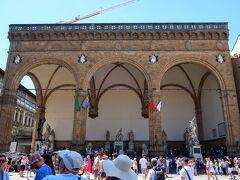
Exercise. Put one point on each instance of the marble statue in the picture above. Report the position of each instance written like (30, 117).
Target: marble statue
(131, 136)
(49, 138)
(190, 135)
(144, 149)
(119, 136)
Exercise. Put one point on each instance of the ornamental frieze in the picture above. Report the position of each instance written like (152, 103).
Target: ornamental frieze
(118, 35)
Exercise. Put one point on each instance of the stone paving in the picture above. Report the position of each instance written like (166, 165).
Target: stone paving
(15, 176)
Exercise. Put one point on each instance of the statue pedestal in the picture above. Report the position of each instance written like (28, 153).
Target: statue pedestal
(131, 147)
(196, 153)
(107, 146)
(38, 146)
(118, 147)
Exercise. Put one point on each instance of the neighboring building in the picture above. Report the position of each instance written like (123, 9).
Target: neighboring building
(236, 48)
(121, 68)
(23, 117)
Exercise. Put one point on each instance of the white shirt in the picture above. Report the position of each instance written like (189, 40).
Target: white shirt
(190, 171)
(143, 163)
(151, 175)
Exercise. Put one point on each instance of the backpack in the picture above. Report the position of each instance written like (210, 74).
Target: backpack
(159, 174)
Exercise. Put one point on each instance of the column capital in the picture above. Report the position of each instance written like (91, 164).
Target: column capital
(81, 92)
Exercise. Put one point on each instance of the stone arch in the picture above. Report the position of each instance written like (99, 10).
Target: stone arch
(98, 65)
(220, 79)
(194, 60)
(37, 62)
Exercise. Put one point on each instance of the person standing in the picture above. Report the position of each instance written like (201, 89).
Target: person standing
(187, 172)
(69, 166)
(3, 173)
(143, 164)
(43, 170)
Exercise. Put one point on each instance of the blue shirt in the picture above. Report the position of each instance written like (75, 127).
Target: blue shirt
(43, 171)
(64, 177)
(4, 175)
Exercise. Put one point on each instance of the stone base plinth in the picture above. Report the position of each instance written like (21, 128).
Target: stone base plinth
(78, 148)
(156, 150)
(107, 147)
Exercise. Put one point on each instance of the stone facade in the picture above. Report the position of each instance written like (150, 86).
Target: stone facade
(174, 44)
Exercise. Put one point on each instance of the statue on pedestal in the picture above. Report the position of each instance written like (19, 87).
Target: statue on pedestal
(119, 136)
(190, 136)
(131, 139)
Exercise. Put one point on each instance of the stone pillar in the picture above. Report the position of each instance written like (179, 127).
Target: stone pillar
(39, 113)
(155, 127)
(79, 124)
(232, 123)
(8, 105)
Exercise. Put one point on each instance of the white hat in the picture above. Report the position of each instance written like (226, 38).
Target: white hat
(120, 168)
(71, 159)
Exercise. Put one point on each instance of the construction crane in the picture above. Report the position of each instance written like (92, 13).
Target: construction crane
(97, 12)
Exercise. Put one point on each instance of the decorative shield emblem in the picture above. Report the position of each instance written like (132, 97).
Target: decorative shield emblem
(17, 59)
(82, 59)
(153, 59)
(220, 58)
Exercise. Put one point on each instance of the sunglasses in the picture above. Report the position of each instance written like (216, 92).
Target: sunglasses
(2, 160)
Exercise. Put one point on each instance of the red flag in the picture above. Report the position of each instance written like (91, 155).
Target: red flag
(151, 105)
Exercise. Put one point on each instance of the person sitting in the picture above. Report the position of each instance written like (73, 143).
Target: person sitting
(69, 166)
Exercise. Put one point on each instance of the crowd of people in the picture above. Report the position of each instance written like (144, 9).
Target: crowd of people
(66, 164)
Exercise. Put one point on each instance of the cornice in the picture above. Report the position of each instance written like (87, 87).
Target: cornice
(138, 31)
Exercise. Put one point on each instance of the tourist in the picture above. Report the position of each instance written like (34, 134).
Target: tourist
(69, 166)
(155, 173)
(42, 169)
(119, 169)
(187, 172)
(135, 165)
(143, 165)
(23, 164)
(89, 166)
(96, 166)
(3, 173)
(48, 161)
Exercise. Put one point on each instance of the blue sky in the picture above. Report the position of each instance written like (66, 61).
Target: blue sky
(52, 11)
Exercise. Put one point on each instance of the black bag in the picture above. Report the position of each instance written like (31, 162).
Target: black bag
(159, 174)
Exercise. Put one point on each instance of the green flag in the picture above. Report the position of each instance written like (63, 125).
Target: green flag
(77, 106)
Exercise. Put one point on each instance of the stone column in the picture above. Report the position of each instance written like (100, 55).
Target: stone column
(39, 113)
(8, 105)
(232, 123)
(155, 127)
(79, 124)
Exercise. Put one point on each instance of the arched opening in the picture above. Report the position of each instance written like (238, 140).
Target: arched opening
(191, 90)
(55, 87)
(118, 99)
